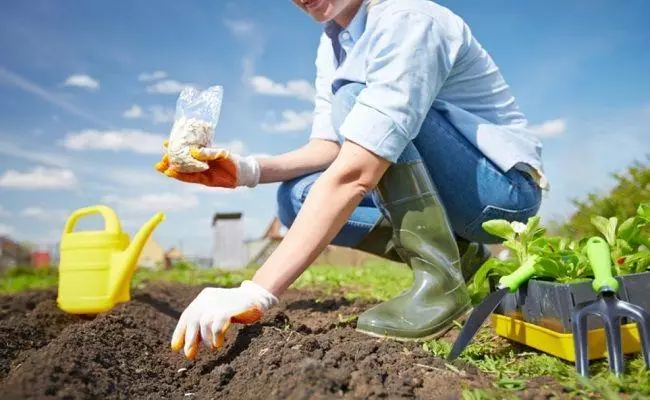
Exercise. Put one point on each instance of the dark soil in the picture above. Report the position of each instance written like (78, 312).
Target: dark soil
(304, 348)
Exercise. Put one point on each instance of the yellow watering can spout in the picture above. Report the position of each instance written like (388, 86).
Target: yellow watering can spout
(96, 267)
(124, 263)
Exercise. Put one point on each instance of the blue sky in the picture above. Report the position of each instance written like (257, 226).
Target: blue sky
(87, 92)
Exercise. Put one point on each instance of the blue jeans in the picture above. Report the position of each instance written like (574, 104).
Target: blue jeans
(472, 189)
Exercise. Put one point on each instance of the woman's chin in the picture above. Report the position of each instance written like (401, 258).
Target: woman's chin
(323, 15)
(321, 18)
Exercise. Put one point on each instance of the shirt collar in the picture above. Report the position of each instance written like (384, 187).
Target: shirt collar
(332, 29)
(358, 23)
(355, 28)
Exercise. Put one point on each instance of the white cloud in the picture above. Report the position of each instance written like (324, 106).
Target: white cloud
(157, 114)
(43, 214)
(240, 27)
(168, 86)
(161, 115)
(551, 128)
(4, 213)
(132, 140)
(291, 121)
(136, 177)
(148, 203)
(298, 88)
(83, 81)
(216, 190)
(252, 39)
(6, 229)
(33, 88)
(39, 178)
(9, 149)
(254, 44)
(152, 76)
(620, 138)
(134, 112)
(248, 66)
(33, 212)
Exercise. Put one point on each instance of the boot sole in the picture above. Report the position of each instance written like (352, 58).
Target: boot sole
(460, 315)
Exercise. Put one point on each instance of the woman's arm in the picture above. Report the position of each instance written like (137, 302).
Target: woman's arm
(330, 202)
(314, 156)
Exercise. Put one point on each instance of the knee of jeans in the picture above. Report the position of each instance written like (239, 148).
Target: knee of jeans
(285, 202)
(343, 101)
(291, 195)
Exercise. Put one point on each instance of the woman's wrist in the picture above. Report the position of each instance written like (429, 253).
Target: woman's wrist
(249, 171)
(268, 281)
(315, 156)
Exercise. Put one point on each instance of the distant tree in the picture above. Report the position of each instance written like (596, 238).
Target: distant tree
(632, 188)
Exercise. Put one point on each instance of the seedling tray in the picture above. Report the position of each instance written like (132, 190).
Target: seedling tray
(561, 344)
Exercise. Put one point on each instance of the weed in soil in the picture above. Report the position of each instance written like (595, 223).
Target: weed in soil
(303, 348)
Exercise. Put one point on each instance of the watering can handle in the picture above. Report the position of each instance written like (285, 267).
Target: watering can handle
(112, 224)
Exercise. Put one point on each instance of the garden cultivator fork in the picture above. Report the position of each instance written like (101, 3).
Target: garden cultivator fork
(610, 309)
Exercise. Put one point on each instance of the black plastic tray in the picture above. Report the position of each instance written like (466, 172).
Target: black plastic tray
(550, 304)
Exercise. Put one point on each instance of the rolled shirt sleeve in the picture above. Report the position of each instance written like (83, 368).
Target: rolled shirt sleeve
(409, 57)
(322, 127)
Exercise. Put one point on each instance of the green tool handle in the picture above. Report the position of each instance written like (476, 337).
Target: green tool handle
(520, 275)
(601, 263)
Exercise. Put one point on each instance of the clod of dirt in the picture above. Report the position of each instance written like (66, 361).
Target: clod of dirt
(302, 349)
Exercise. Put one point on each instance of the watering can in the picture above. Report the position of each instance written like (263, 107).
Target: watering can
(96, 267)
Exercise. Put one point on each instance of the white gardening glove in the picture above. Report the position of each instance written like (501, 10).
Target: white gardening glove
(213, 311)
(247, 168)
(225, 169)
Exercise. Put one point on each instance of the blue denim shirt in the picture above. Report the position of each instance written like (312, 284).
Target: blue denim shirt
(413, 55)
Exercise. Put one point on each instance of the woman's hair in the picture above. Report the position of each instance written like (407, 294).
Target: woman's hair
(370, 3)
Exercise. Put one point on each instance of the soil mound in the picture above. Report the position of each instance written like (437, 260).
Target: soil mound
(305, 348)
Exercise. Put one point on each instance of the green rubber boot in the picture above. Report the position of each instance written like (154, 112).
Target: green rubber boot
(424, 240)
(473, 256)
(379, 241)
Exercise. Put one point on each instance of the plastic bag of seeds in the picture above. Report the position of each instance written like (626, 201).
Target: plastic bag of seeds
(196, 118)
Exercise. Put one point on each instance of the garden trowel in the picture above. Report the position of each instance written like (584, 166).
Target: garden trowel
(610, 309)
(508, 283)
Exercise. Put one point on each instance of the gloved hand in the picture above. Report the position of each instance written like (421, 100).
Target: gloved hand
(226, 169)
(212, 312)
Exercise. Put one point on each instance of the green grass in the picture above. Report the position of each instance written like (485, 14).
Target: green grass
(26, 278)
(187, 274)
(510, 364)
(375, 280)
(22, 278)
